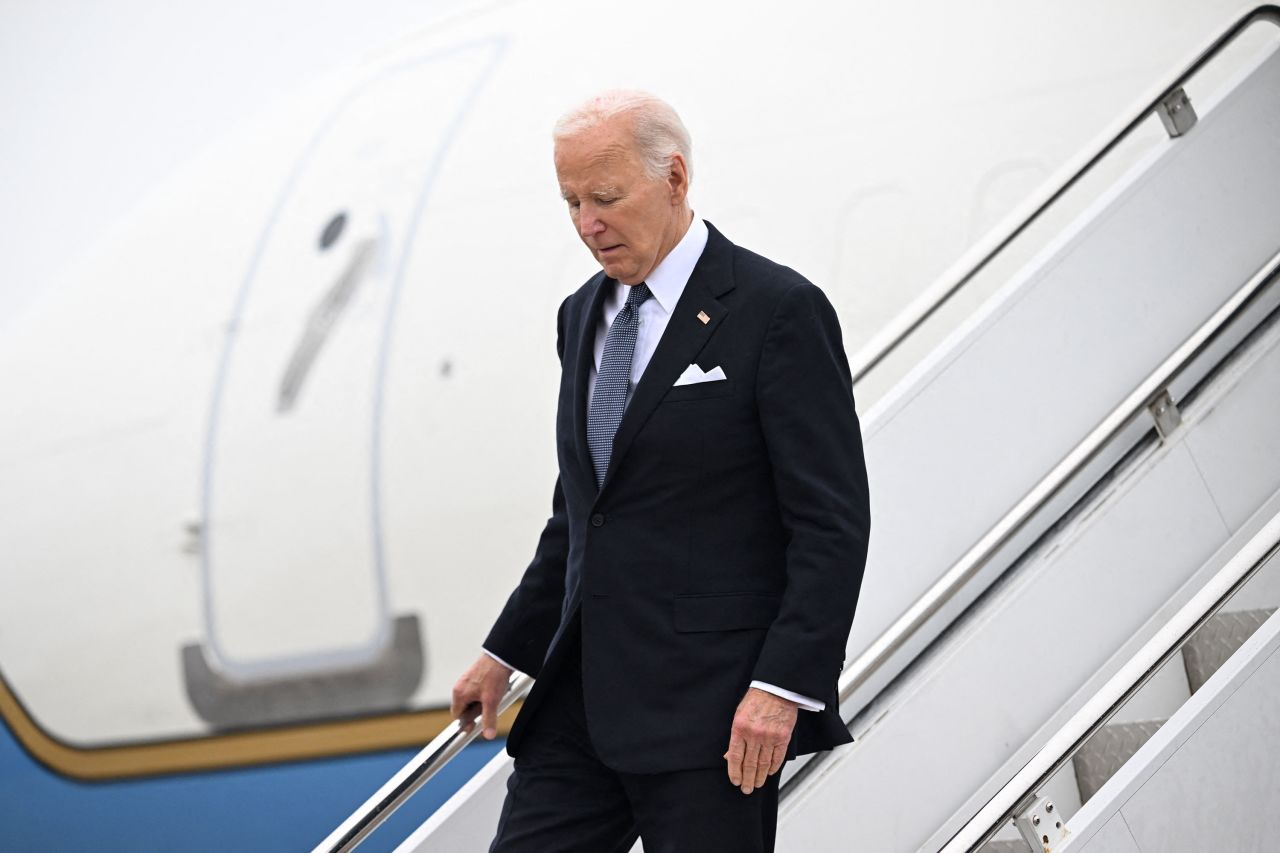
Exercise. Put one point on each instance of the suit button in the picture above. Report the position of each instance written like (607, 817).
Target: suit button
(597, 520)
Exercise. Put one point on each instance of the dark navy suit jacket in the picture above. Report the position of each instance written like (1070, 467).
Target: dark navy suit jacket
(728, 541)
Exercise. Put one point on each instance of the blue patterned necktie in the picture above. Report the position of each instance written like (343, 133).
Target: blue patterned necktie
(613, 380)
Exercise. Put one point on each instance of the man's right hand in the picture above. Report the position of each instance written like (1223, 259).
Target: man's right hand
(479, 690)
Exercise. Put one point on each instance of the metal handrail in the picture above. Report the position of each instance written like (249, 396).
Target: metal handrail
(1130, 678)
(976, 558)
(451, 741)
(408, 779)
(1016, 519)
(876, 655)
(903, 325)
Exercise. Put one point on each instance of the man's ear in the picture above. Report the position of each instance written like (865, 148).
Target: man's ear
(678, 180)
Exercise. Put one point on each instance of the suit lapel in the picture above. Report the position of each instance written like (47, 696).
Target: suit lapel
(685, 336)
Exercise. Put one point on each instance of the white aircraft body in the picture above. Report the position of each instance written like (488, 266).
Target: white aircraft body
(280, 445)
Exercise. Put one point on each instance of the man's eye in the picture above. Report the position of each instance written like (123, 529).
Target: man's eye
(606, 201)
(573, 205)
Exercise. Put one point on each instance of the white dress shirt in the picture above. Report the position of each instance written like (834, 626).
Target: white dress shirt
(666, 283)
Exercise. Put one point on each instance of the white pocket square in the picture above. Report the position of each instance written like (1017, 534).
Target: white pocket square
(694, 374)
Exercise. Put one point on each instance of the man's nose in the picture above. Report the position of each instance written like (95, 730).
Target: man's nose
(588, 223)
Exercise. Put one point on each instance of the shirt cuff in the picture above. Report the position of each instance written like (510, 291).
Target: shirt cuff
(498, 659)
(807, 703)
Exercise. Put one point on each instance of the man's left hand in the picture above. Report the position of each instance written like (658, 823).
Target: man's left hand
(761, 732)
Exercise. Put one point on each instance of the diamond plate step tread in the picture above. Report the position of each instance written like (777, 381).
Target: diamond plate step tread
(1217, 640)
(1107, 751)
(1005, 847)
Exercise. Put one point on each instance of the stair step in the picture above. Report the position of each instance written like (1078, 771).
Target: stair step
(1202, 655)
(1217, 640)
(1018, 846)
(1107, 751)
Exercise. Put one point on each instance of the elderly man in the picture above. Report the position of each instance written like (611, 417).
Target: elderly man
(686, 610)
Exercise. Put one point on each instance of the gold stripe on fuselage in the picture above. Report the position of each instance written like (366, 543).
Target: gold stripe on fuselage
(220, 751)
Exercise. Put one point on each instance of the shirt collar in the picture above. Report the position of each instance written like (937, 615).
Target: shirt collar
(668, 278)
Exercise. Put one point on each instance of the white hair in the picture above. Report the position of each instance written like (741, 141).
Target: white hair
(656, 128)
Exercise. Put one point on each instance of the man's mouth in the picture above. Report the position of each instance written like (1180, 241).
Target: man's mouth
(609, 249)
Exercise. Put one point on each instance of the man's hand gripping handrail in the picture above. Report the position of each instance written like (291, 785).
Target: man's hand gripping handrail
(406, 782)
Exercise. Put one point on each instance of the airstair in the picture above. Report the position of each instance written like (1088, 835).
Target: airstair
(1066, 632)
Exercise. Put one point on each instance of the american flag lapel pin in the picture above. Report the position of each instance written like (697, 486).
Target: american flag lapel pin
(702, 315)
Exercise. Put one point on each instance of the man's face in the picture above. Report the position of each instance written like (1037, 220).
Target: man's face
(628, 220)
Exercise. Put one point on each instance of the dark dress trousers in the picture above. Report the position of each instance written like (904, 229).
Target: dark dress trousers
(728, 541)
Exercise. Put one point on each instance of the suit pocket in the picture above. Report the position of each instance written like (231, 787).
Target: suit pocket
(729, 611)
(699, 390)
